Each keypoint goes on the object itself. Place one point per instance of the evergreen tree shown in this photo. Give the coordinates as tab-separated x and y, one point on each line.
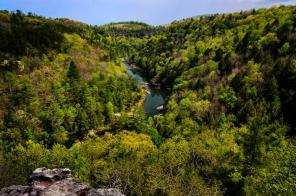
73	72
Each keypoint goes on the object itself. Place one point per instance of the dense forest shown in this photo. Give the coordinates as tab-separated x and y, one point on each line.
228	127
132	29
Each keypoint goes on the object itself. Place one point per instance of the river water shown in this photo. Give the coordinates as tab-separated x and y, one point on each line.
155	98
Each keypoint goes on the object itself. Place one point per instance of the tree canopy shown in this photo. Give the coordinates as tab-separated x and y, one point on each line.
228	127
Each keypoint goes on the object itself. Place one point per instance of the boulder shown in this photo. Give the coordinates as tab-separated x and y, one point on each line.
109	192
56	182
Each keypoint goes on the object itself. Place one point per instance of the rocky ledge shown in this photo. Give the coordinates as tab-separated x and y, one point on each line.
56	182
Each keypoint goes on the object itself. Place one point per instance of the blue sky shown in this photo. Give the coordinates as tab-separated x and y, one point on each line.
150	11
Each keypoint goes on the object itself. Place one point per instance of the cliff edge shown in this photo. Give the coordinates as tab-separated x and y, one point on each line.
56	182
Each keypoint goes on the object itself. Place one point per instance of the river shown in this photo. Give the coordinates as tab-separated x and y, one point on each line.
155	99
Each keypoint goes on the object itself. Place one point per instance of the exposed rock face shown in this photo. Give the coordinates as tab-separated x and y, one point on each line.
56	182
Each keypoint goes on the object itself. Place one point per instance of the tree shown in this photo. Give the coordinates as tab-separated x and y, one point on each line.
73	72
110	111
277	175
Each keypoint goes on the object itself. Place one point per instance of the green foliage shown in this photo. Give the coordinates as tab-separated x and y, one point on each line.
228	97
277	175
73	72
228	126
228	71
131	29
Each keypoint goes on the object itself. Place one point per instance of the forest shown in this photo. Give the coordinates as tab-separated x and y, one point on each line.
228	127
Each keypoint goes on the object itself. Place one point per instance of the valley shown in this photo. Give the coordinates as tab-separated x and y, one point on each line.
156	97
201	106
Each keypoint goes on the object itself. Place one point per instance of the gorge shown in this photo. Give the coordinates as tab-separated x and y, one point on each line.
201	106
156	97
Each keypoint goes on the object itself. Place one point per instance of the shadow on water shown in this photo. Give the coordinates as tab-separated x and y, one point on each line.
155	99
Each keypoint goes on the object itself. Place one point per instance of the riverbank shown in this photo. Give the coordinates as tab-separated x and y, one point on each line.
155	97
140	103
142	71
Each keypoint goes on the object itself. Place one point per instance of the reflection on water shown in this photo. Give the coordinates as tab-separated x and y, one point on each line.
155	98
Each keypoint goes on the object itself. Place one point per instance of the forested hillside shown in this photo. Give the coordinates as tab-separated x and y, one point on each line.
132	29
251	54
228	127
234	80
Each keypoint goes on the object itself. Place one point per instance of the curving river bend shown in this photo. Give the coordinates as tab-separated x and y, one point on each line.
155	98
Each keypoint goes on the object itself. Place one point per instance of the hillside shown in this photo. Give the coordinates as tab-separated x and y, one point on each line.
251	53
231	74
127	25
132	29
227	127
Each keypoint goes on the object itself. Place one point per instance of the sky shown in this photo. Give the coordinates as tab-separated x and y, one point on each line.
154	12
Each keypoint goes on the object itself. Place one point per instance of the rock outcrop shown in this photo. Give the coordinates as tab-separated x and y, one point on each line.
56	182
